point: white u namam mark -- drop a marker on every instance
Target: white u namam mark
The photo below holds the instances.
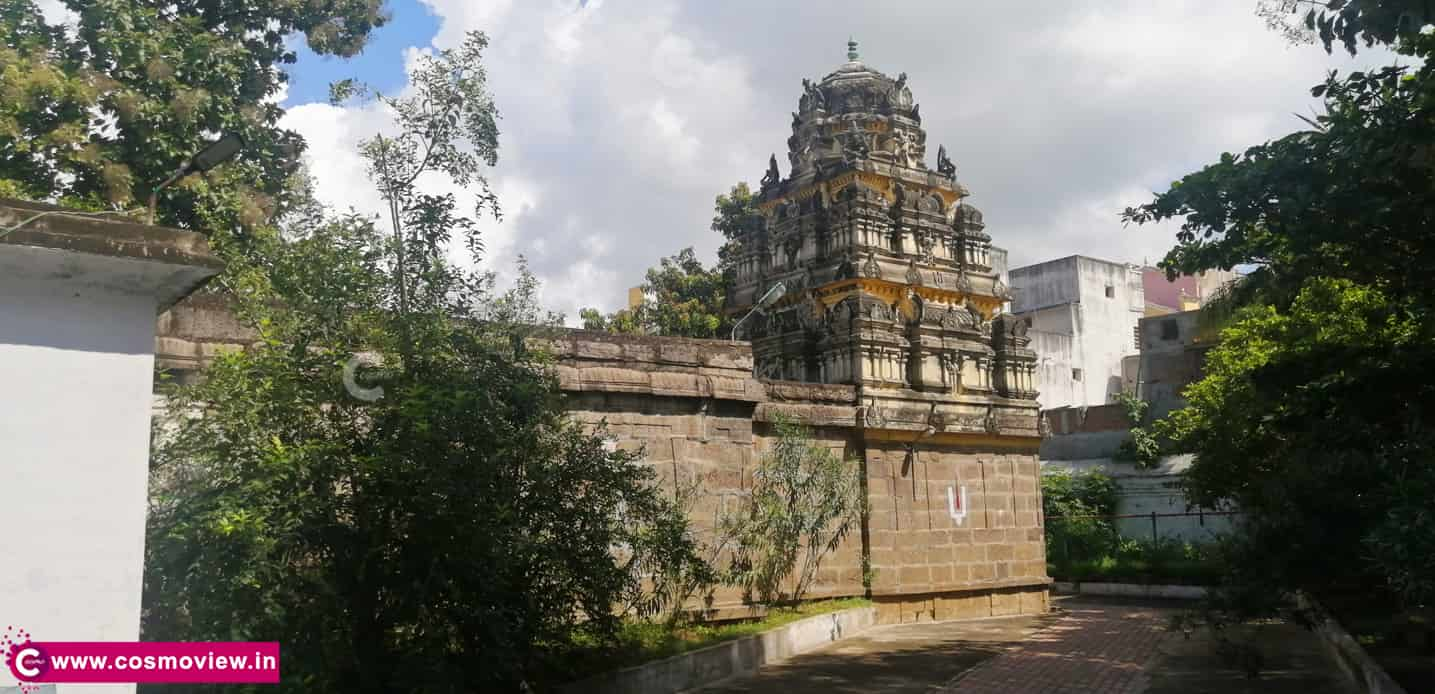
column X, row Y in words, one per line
column 957, row 511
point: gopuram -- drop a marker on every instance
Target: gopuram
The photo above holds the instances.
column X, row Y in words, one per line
column 886, row 338
column 885, row 271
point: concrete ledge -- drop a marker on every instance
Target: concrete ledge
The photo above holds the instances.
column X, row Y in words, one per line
column 737, row 658
column 1130, row 590
column 1363, row 673
column 50, row 243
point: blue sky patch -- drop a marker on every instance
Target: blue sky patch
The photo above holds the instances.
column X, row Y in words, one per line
column 381, row 65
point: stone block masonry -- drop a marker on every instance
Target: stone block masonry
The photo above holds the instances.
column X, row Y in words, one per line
column 703, row 422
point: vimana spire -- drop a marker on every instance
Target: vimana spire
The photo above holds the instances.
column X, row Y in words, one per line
column 888, row 274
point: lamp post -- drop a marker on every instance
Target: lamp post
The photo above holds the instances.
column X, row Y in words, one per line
column 768, row 298
column 216, row 153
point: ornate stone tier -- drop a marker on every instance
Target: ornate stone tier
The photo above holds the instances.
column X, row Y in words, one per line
column 887, row 269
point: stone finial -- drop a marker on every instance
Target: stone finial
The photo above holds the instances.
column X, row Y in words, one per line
column 851, row 49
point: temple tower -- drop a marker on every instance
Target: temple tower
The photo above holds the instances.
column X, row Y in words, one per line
column 887, row 272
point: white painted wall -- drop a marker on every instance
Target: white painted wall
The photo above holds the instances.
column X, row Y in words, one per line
column 1068, row 298
column 1156, row 490
column 1055, row 355
column 76, row 381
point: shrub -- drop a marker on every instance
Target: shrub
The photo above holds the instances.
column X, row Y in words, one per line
column 805, row 501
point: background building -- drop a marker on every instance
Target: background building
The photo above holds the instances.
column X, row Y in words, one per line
column 1083, row 315
column 1185, row 293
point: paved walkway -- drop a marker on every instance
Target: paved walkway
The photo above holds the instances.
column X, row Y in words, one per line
column 901, row 658
column 1088, row 647
column 1093, row 647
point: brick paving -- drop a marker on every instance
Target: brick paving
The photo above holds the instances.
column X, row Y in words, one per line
column 1088, row 646
column 1092, row 648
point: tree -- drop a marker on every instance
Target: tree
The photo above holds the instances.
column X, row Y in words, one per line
column 735, row 214
column 681, row 297
column 1311, row 415
column 447, row 125
column 805, row 500
column 1067, row 503
column 95, row 118
column 1347, row 21
column 433, row 523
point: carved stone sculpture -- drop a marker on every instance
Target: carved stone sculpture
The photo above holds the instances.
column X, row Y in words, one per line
column 854, row 144
column 870, row 268
column 914, row 275
column 945, row 166
column 773, row 176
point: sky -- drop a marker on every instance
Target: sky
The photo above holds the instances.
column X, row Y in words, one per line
column 622, row 120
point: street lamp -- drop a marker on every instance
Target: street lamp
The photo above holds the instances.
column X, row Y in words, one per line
column 216, row 153
column 769, row 298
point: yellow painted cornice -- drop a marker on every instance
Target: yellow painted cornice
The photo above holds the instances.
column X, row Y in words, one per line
column 833, row 292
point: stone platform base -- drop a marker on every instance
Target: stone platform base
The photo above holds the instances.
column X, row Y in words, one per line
column 971, row 604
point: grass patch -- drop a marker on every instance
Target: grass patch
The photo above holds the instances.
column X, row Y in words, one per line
column 644, row 641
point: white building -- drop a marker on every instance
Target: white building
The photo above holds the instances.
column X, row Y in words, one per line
column 78, row 299
column 1084, row 315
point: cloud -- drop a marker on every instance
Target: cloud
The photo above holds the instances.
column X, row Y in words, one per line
column 56, row 14
column 622, row 121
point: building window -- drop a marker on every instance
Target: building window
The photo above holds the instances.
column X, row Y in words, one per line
column 1110, row 292
column 1076, row 374
column 1169, row 330
column 1136, row 337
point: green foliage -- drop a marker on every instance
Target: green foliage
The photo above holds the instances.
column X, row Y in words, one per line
column 96, row 117
column 1090, row 493
column 684, row 298
column 621, row 321
column 1164, row 560
column 1348, row 21
column 681, row 297
column 458, row 533
column 805, row 500
column 1312, row 414
column 1141, row 446
column 1066, row 500
column 735, row 213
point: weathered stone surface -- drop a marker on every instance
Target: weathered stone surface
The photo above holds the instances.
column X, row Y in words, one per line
column 914, row 544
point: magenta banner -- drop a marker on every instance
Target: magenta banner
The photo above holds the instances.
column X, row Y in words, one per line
column 157, row 662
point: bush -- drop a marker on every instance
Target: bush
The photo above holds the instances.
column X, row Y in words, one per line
column 805, row 501
column 1165, row 560
column 1067, row 499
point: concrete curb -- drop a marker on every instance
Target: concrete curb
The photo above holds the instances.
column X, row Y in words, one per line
column 1130, row 590
column 1363, row 673
column 737, row 658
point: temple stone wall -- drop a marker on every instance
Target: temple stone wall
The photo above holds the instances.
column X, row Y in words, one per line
column 702, row 421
